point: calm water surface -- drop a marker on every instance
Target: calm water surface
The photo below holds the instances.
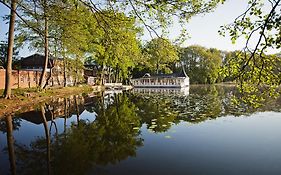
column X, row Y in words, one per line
column 194, row 131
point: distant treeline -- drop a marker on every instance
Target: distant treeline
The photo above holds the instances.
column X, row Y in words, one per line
column 207, row 65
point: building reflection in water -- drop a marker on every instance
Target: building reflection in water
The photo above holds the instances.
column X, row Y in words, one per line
column 171, row 91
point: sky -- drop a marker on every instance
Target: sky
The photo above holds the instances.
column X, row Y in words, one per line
column 202, row 29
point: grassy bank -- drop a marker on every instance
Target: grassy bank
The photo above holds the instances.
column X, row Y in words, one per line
column 28, row 97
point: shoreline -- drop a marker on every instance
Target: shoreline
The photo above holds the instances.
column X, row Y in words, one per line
column 26, row 98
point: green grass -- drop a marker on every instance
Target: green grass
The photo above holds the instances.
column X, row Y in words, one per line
column 21, row 93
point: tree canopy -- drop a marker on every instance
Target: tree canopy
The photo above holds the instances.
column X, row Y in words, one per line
column 201, row 64
column 259, row 24
column 160, row 53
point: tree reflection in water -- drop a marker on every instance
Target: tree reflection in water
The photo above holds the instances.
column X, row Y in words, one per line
column 202, row 103
column 86, row 146
column 112, row 137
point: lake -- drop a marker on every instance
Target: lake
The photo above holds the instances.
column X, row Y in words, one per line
column 159, row 131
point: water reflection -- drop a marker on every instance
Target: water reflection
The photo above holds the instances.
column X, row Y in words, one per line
column 202, row 103
column 89, row 134
column 175, row 91
column 10, row 144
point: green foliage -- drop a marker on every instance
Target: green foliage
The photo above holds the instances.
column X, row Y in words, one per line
column 202, row 65
column 254, row 70
column 30, row 27
column 118, row 47
column 160, row 53
column 68, row 26
column 259, row 79
column 155, row 14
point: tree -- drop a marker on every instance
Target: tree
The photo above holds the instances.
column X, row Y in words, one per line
column 214, row 63
column 260, row 80
column 227, row 67
column 52, row 27
column 126, row 51
column 8, row 85
column 160, row 53
column 34, row 29
column 262, row 21
column 71, row 24
column 154, row 14
column 46, row 43
column 202, row 65
column 114, row 45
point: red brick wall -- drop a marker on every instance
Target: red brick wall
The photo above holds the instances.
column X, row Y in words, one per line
column 21, row 78
column 2, row 78
column 29, row 78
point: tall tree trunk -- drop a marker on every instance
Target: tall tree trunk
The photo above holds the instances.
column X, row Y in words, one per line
column 64, row 66
column 117, row 74
column 64, row 71
column 57, row 62
column 109, row 76
column 75, row 76
column 8, row 85
column 50, row 76
column 46, row 47
column 102, row 74
column 157, row 67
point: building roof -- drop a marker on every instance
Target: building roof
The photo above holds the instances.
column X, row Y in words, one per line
column 37, row 60
column 37, row 55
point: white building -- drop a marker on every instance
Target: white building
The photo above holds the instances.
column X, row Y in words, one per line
column 162, row 81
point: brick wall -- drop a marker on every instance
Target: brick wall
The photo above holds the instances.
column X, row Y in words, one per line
column 21, row 78
column 2, row 78
column 30, row 78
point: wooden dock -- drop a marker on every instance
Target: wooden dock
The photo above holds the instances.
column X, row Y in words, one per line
column 117, row 86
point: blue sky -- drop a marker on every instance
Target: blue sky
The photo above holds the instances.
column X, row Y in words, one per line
column 203, row 29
